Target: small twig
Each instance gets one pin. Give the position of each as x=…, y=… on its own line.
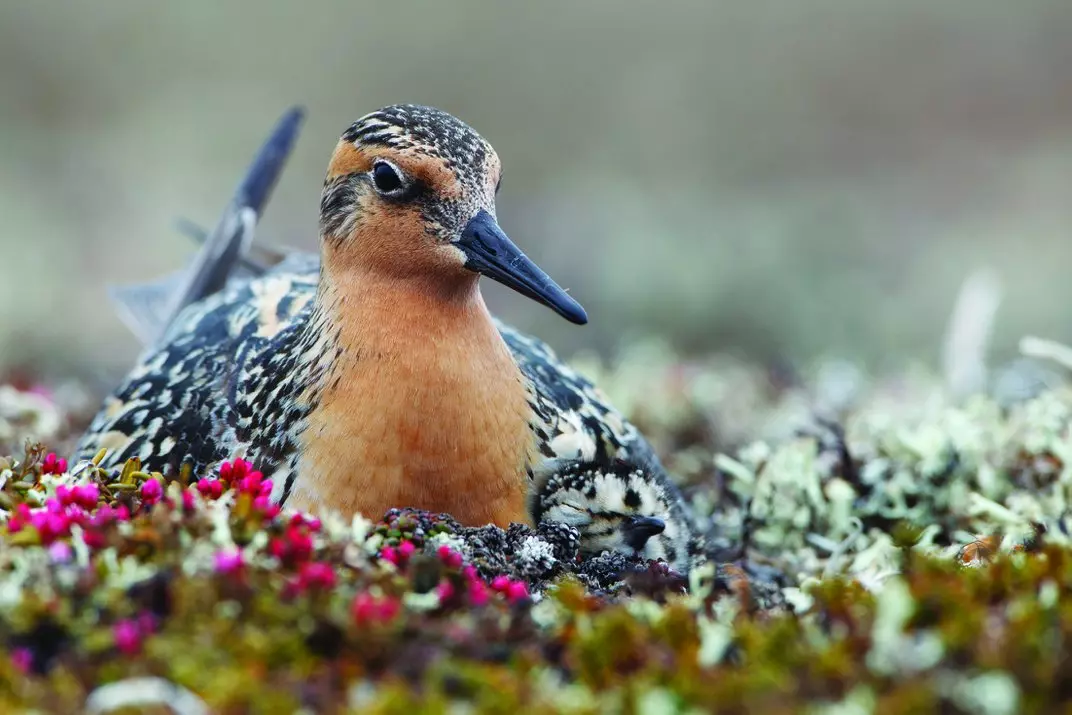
x=968, y=334
x=1041, y=348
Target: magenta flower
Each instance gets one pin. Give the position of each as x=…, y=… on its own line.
x=60, y=552
x=449, y=556
x=128, y=637
x=86, y=495
x=210, y=488
x=50, y=525
x=264, y=505
x=445, y=590
x=238, y=470
x=83, y=495
x=22, y=659
x=229, y=561
x=517, y=591
x=295, y=546
x=53, y=464
x=19, y=519
x=367, y=608
x=94, y=539
x=151, y=491
x=65, y=494
x=314, y=574
x=398, y=555
x=478, y=593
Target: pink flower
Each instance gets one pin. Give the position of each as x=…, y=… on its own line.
x=188, y=504
x=264, y=505
x=254, y=483
x=449, y=556
x=478, y=593
x=65, y=494
x=234, y=470
x=367, y=608
x=60, y=552
x=94, y=539
x=517, y=591
x=229, y=561
x=311, y=522
x=19, y=519
x=22, y=659
x=53, y=464
x=83, y=495
x=444, y=590
x=151, y=491
x=295, y=546
x=500, y=583
x=398, y=555
x=127, y=637
x=210, y=488
x=240, y=471
x=106, y=515
x=86, y=495
x=314, y=574
x=50, y=525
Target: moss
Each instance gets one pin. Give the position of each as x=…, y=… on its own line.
x=906, y=553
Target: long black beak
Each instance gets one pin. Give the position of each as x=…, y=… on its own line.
x=638, y=529
x=490, y=252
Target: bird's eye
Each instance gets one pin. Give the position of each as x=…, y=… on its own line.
x=386, y=178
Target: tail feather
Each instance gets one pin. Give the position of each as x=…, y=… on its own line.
x=148, y=308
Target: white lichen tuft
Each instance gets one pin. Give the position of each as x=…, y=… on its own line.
x=535, y=556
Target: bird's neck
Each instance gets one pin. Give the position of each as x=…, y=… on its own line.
x=421, y=404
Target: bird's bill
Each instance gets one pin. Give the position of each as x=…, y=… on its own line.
x=638, y=529
x=490, y=252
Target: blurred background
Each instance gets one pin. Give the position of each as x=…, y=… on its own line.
x=787, y=181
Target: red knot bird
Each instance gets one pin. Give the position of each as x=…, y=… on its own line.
x=373, y=375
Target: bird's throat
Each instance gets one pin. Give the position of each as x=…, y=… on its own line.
x=421, y=405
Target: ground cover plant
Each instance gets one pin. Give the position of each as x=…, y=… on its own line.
x=874, y=544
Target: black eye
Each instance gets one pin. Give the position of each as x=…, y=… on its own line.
x=386, y=178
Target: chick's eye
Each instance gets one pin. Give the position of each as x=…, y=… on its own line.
x=386, y=178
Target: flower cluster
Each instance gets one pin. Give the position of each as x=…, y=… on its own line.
x=71, y=506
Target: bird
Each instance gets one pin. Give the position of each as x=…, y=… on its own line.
x=619, y=508
x=372, y=375
x=616, y=507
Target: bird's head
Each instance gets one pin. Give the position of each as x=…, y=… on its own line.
x=618, y=509
x=410, y=194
